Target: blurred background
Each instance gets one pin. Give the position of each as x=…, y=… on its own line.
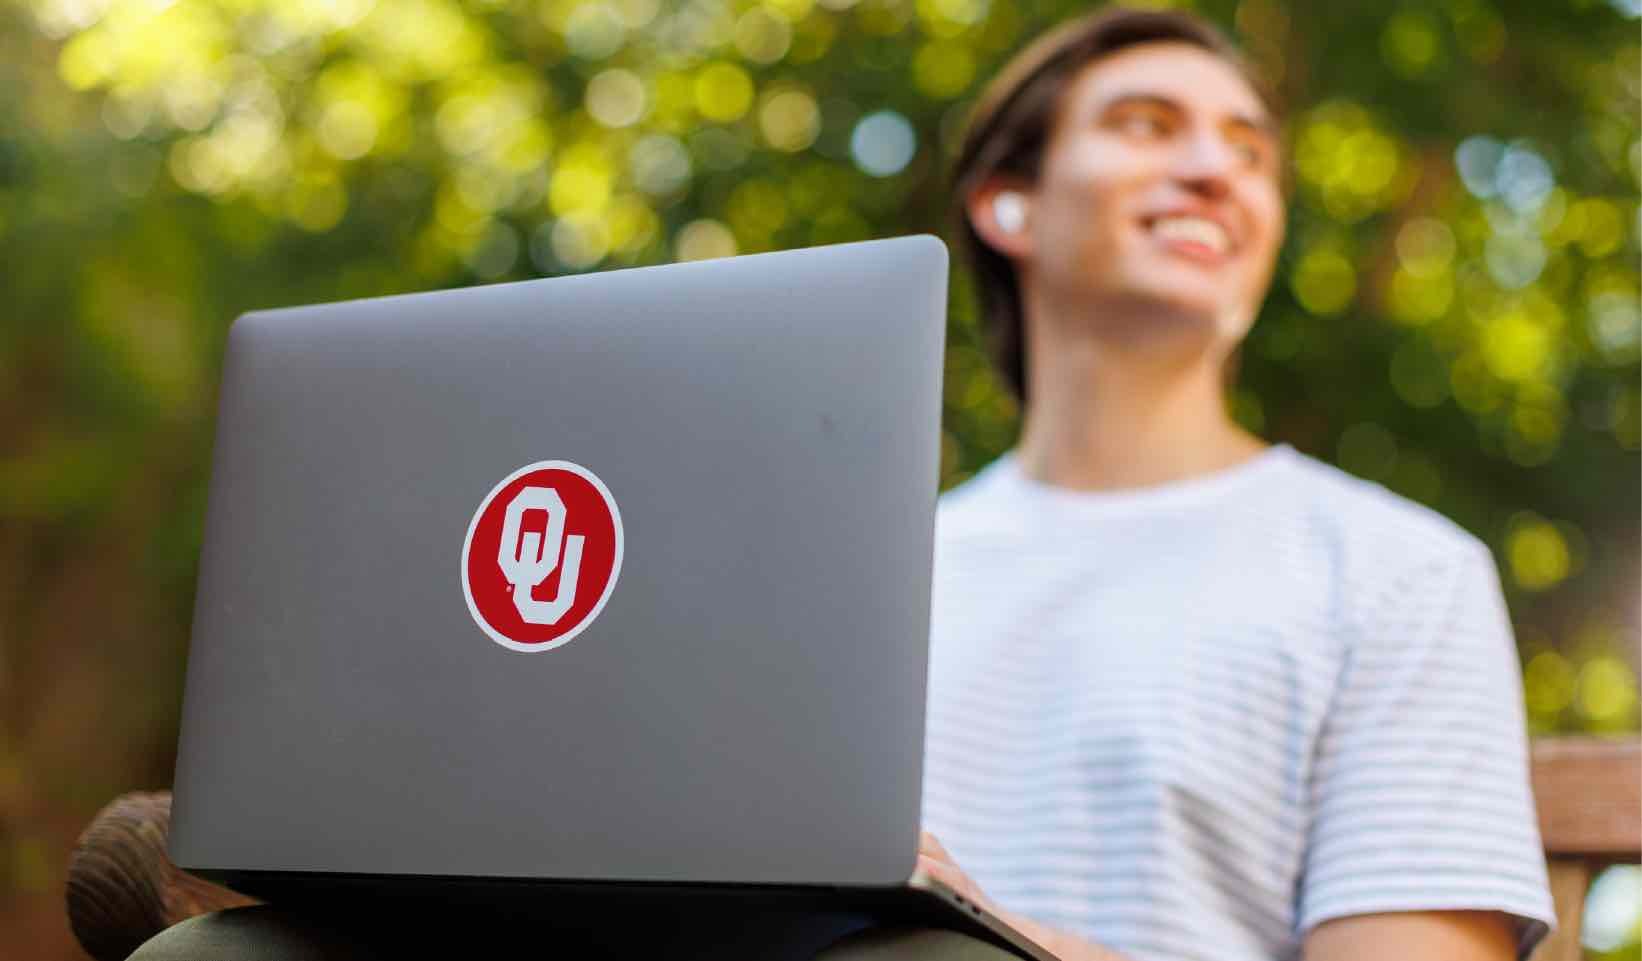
x=1455, y=315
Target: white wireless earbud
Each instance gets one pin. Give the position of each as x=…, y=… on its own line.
x=1009, y=210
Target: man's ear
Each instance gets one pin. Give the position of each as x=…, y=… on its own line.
x=1000, y=210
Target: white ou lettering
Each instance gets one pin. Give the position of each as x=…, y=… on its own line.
x=530, y=559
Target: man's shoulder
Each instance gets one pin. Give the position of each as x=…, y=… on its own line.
x=1373, y=529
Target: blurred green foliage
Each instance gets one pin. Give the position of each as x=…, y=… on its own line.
x=1456, y=311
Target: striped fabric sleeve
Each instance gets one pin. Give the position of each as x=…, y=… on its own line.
x=1419, y=795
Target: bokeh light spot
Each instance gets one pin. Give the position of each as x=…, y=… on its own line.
x=1601, y=230
x=839, y=223
x=762, y=36
x=637, y=14
x=630, y=224
x=1607, y=689
x=347, y=130
x=85, y=61
x=947, y=18
x=1523, y=178
x=883, y=143
x=594, y=31
x=1410, y=42
x=943, y=69
x=1418, y=299
x=792, y=10
x=757, y=209
x=1538, y=553
x=316, y=203
x=579, y=241
x=659, y=164
x=1476, y=159
x=616, y=98
x=1426, y=246
x=1615, y=322
x=1548, y=682
x=1324, y=282
x=1612, y=917
x=1515, y=347
x=723, y=92
x=790, y=120
x=704, y=239
x=582, y=181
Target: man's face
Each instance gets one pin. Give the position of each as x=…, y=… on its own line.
x=1159, y=188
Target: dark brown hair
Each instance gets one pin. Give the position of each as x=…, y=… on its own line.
x=1011, y=124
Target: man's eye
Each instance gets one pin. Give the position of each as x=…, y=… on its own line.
x=1143, y=125
x=1250, y=154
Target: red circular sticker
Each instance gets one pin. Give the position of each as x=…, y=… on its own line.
x=542, y=555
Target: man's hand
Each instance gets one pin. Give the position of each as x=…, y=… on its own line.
x=934, y=861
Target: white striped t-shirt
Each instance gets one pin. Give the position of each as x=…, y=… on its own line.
x=1194, y=720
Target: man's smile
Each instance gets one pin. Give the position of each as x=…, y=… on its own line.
x=1196, y=237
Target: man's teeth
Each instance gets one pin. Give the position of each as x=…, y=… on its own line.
x=1195, y=230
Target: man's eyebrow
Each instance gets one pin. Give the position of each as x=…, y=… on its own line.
x=1138, y=100
x=1257, y=123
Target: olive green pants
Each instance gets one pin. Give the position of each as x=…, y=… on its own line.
x=266, y=933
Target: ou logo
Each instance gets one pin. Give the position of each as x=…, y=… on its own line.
x=541, y=556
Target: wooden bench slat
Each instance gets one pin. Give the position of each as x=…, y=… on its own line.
x=1589, y=795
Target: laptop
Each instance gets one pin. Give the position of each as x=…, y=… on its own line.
x=616, y=583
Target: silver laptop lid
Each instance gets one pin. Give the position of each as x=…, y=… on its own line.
x=621, y=576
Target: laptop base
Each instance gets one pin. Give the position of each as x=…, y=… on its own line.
x=605, y=906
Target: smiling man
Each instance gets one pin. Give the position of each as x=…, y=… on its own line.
x=1193, y=696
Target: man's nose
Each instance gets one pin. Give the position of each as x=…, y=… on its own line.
x=1204, y=164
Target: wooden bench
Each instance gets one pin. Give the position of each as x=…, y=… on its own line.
x=1589, y=795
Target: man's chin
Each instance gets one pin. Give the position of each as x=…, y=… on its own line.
x=1156, y=311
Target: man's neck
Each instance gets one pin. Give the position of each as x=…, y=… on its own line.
x=1104, y=416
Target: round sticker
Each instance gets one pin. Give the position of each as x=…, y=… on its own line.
x=542, y=555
